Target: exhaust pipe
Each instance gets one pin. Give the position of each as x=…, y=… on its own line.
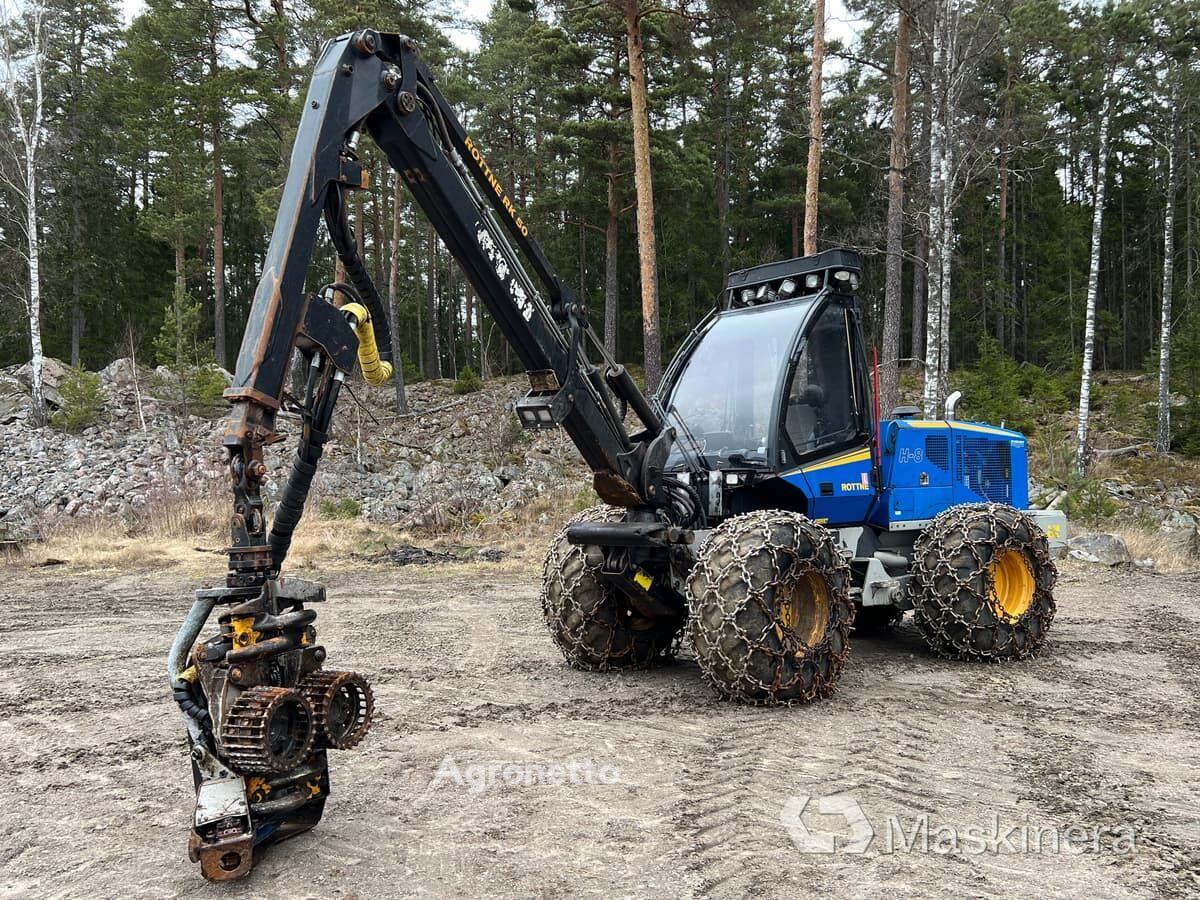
x=951, y=406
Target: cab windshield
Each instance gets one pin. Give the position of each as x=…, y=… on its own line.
x=725, y=394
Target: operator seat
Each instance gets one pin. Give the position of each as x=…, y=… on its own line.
x=803, y=419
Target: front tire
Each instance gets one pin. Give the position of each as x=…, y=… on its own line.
x=771, y=610
x=982, y=583
x=587, y=619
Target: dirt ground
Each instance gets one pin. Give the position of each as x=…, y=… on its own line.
x=674, y=792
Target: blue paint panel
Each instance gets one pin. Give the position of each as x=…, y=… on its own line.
x=929, y=466
x=839, y=494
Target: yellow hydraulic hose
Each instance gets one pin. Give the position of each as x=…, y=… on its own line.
x=375, y=370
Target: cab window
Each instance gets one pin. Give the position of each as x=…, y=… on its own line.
x=822, y=404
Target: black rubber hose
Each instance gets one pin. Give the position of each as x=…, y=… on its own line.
x=304, y=467
x=356, y=270
x=194, y=711
x=291, y=507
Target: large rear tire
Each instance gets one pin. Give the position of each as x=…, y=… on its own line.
x=590, y=624
x=771, y=612
x=982, y=583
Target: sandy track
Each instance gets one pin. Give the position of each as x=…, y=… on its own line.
x=95, y=789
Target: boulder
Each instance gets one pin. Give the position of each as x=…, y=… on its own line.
x=120, y=373
x=54, y=373
x=1101, y=549
x=1181, y=532
x=14, y=398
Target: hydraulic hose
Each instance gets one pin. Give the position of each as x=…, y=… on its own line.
x=194, y=715
x=356, y=270
x=374, y=369
x=304, y=467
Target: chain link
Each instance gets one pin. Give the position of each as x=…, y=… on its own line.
x=591, y=625
x=753, y=567
x=953, y=584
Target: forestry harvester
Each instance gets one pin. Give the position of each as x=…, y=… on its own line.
x=760, y=507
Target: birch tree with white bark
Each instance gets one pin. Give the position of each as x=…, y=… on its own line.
x=22, y=67
x=898, y=162
x=1089, y=329
x=960, y=35
x=1162, y=441
x=944, y=93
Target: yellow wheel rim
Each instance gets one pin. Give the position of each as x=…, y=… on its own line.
x=803, y=604
x=1012, y=584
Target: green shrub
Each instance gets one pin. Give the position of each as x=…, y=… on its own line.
x=1088, y=501
x=83, y=402
x=997, y=389
x=196, y=390
x=204, y=389
x=468, y=382
x=1185, y=430
x=343, y=508
x=992, y=389
x=178, y=343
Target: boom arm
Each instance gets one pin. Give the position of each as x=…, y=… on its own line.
x=260, y=708
x=376, y=82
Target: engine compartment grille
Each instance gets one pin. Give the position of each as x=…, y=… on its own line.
x=937, y=450
x=985, y=467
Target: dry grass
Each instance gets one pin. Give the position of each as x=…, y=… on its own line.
x=167, y=530
x=191, y=532
x=1153, y=543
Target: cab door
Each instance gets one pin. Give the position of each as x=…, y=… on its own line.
x=824, y=433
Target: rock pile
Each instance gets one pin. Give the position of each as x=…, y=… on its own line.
x=451, y=461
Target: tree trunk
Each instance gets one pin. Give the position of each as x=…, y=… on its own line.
x=812, y=194
x=920, y=248
x=451, y=319
x=894, y=280
x=1089, y=331
x=179, y=299
x=433, y=363
x=218, y=249
x=218, y=198
x=1163, y=438
x=612, y=319
x=29, y=137
x=946, y=256
x=919, y=288
x=1001, y=295
x=721, y=85
x=393, y=306
x=78, y=39
x=380, y=252
x=76, y=279
x=32, y=189
x=937, y=227
x=651, y=342
x=468, y=337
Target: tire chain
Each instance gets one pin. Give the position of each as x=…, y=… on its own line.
x=951, y=583
x=587, y=623
x=744, y=649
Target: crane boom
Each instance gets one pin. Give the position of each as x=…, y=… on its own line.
x=260, y=709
